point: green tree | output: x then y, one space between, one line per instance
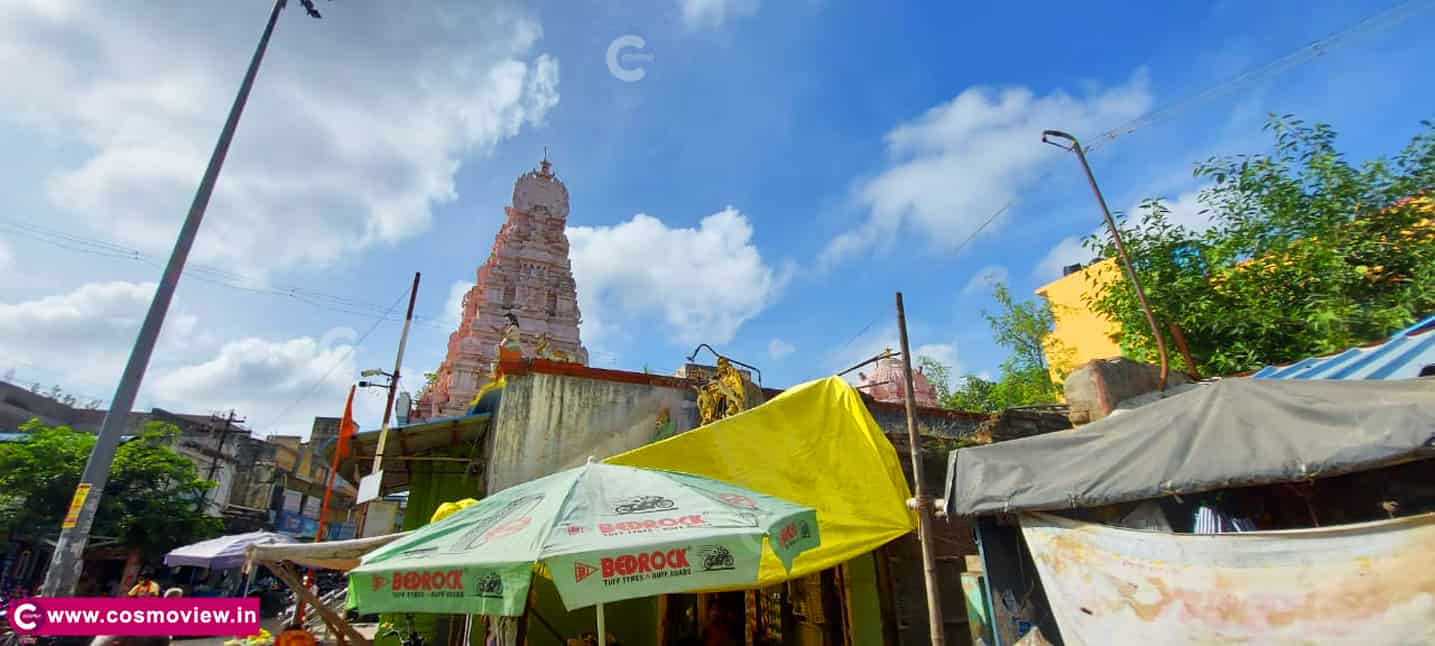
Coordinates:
1025 378
154 500
1306 254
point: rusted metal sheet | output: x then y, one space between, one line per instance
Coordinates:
1368 583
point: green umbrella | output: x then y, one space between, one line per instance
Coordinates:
603 532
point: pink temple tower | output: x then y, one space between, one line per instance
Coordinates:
528 274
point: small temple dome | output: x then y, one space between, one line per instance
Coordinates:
541 190
886 384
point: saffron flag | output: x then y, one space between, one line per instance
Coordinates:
346 428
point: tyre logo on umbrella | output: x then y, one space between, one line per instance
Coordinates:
582 571
490 585
716 557
478 534
738 500
643 504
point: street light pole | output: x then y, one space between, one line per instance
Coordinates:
1120 245
66 562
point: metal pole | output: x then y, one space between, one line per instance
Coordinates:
924 503
394 378
1120 246
389 405
66 563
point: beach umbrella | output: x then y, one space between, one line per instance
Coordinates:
602 532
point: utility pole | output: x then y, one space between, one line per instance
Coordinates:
924 502
67 560
229 420
389 403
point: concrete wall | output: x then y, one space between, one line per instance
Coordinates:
546 423
1080 334
933 422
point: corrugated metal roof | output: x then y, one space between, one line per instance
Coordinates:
1403 356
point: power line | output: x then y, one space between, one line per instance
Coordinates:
1382 20
1385 19
206 273
347 351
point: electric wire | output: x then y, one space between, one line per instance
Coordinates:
1382 20
337 362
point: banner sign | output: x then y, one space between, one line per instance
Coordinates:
1368 583
72 517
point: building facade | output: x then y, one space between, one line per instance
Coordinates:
527 283
1080 333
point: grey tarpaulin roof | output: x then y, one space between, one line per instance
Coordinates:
1235 432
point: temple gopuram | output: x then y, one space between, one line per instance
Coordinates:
524 299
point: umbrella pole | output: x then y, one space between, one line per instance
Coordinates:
602 629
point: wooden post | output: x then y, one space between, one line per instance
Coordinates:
335 622
924 502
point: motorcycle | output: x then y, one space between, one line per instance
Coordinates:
643 503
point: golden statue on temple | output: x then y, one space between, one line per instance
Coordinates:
725 394
545 350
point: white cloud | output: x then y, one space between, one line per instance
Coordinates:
963 160
453 307
777 348
943 353
1185 211
704 281
280 385
1069 251
6 256
713 13
874 341
355 128
984 279
85 336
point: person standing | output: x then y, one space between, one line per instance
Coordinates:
145 587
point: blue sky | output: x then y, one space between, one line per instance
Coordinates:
795 163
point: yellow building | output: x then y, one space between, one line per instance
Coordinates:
1079 334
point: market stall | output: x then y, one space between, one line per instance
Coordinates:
601 533
286 560
221 553
1244 510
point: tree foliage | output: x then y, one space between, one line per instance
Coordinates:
1306 254
1025 379
154 499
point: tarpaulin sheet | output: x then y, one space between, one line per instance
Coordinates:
1236 432
331 555
815 445
1369 583
223 552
